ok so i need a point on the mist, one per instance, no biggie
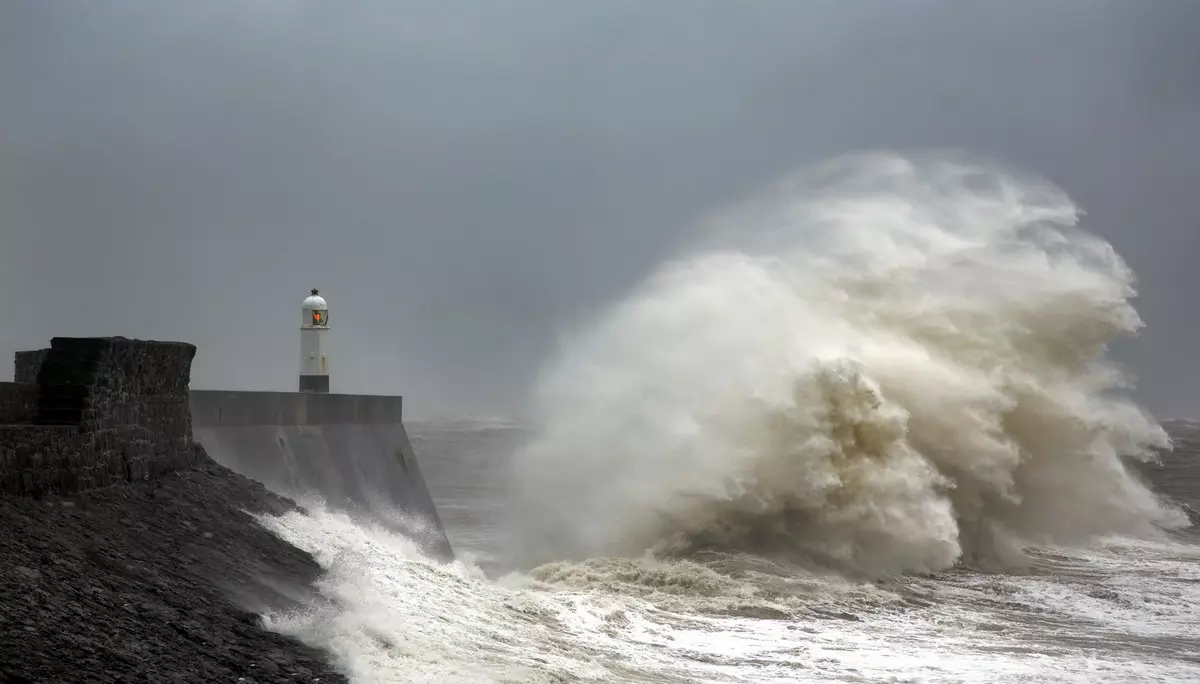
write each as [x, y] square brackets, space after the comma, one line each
[468, 182]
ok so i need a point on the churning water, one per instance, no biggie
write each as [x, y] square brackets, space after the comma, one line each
[864, 431]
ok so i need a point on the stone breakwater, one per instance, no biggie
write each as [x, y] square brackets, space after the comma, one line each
[102, 411]
[126, 553]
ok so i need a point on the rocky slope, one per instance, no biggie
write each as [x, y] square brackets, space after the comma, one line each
[157, 581]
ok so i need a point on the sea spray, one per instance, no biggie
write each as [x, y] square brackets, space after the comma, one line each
[883, 365]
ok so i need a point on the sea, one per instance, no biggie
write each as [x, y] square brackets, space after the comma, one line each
[866, 430]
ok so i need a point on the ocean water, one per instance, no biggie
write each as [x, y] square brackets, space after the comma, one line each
[1120, 610]
[865, 431]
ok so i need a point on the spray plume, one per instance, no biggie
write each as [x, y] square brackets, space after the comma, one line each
[883, 365]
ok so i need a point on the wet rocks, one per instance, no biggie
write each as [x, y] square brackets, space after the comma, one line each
[156, 581]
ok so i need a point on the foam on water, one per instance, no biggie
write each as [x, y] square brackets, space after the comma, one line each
[390, 615]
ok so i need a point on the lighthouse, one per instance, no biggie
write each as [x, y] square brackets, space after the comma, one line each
[314, 344]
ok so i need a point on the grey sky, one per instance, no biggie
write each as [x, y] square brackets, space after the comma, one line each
[463, 178]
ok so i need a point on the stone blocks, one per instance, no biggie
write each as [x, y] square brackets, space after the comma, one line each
[27, 364]
[18, 403]
[108, 410]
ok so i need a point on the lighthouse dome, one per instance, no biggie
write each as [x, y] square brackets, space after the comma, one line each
[314, 301]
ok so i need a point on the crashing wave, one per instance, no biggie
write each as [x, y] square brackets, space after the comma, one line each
[885, 365]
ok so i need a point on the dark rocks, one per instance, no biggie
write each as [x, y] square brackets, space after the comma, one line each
[157, 581]
[126, 554]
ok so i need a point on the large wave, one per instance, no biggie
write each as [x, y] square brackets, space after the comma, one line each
[883, 365]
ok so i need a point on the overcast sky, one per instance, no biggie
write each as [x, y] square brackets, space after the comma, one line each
[463, 178]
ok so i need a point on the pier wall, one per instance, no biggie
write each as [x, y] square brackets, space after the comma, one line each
[87, 413]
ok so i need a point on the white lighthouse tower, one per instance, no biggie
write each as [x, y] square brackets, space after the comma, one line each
[314, 344]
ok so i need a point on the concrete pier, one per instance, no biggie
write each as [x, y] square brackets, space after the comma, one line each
[350, 450]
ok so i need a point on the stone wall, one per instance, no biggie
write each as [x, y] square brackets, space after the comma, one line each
[27, 364]
[109, 410]
[18, 403]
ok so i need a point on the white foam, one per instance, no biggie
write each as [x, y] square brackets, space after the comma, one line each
[392, 616]
[1127, 589]
[883, 364]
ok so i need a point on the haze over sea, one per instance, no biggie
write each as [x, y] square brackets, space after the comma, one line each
[863, 429]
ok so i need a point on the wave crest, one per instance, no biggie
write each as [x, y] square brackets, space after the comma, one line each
[883, 365]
